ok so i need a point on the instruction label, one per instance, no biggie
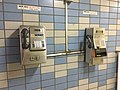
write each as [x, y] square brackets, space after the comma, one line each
[90, 12]
[28, 7]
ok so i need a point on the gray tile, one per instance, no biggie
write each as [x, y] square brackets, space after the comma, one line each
[11, 1]
[48, 83]
[73, 78]
[46, 3]
[62, 86]
[17, 81]
[13, 58]
[12, 42]
[34, 78]
[47, 76]
[1, 7]
[1, 25]
[61, 80]
[11, 7]
[72, 84]
[31, 2]
[33, 86]
[2, 51]
[2, 59]
[12, 16]
[2, 67]
[12, 50]
[21, 87]
[32, 71]
[49, 88]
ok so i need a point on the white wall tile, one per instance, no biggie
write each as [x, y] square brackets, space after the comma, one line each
[111, 60]
[112, 27]
[104, 9]
[72, 59]
[84, 87]
[93, 85]
[83, 81]
[83, 20]
[47, 69]
[2, 42]
[72, 65]
[59, 40]
[30, 17]
[31, 23]
[3, 84]
[102, 67]
[72, 33]
[95, 2]
[59, 33]
[113, 4]
[83, 26]
[72, 26]
[60, 67]
[3, 75]
[111, 54]
[14, 66]
[60, 74]
[112, 32]
[102, 87]
[50, 61]
[11, 34]
[105, 2]
[59, 4]
[12, 25]
[16, 74]
[94, 25]
[1, 33]
[73, 88]
[111, 80]
[110, 86]
[49, 33]
[47, 25]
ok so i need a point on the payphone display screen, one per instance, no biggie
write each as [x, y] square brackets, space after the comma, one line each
[37, 30]
[98, 31]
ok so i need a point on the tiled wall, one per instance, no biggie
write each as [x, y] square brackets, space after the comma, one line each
[62, 72]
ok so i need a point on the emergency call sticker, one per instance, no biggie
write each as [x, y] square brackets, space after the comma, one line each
[28, 7]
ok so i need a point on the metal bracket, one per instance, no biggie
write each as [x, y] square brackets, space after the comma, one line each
[66, 53]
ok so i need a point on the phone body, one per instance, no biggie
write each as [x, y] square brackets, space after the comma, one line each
[94, 45]
[32, 44]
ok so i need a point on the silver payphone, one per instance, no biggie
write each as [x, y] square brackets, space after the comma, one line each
[32, 44]
[94, 45]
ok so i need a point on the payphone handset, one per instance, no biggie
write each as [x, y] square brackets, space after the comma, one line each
[25, 38]
[95, 46]
[32, 44]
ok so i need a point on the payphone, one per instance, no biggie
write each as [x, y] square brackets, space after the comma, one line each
[32, 44]
[94, 45]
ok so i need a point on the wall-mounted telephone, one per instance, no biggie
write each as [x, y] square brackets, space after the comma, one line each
[94, 45]
[32, 44]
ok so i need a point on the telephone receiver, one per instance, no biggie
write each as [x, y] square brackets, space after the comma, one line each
[24, 35]
[90, 43]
